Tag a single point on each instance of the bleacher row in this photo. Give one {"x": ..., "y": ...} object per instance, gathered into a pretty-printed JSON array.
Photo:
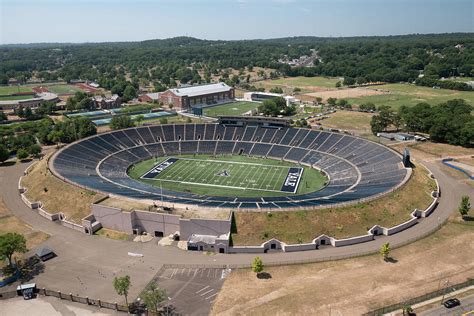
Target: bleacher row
[{"x": 357, "y": 168}]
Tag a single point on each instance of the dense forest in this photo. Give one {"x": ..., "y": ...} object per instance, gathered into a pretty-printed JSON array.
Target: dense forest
[{"x": 164, "y": 62}]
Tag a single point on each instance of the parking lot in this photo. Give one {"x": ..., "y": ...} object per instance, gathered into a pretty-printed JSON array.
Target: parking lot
[{"x": 191, "y": 290}]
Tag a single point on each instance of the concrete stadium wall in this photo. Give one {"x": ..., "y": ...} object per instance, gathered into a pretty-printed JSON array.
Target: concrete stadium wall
[
  {"x": 352, "y": 241},
  {"x": 300, "y": 247},
  {"x": 151, "y": 222},
  {"x": 113, "y": 218},
  {"x": 402, "y": 226}
]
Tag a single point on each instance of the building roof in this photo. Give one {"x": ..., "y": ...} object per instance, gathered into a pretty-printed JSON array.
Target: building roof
[
  {"x": 106, "y": 99},
  {"x": 208, "y": 239},
  {"x": 154, "y": 95},
  {"x": 192, "y": 91},
  {"x": 43, "y": 251}
]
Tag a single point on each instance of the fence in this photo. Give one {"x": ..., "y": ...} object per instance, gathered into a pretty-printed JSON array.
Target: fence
[
  {"x": 419, "y": 299},
  {"x": 83, "y": 300}
]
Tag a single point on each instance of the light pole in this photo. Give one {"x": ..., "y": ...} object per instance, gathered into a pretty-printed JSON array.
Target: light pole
[
  {"x": 444, "y": 291},
  {"x": 168, "y": 306}
]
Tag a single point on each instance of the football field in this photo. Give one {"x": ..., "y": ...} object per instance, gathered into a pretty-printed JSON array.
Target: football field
[{"x": 226, "y": 174}]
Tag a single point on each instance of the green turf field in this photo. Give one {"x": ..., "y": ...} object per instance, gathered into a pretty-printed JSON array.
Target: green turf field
[
  {"x": 15, "y": 97},
  {"x": 235, "y": 108},
  {"x": 63, "y": 89},
  {"x": 246, "y": 176},
  {"x": 6, "y": 90}
]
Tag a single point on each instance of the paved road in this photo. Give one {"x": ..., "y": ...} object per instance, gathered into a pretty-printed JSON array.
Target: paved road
[
  {"x": 86, "y": 265},
  {"x": 467, "y": 305}
]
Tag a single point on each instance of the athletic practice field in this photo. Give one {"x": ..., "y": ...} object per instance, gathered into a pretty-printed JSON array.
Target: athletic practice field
[{"x": 228, "y": 175}]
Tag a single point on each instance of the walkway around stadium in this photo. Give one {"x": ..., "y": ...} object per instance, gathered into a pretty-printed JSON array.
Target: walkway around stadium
[{"x": 451, "y": 193}]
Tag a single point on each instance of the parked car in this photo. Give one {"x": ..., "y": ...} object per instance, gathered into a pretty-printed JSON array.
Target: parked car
[{"x": 452, "y": 302}]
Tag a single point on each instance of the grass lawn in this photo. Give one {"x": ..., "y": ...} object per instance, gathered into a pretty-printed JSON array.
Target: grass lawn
[
  {"x": 306, "y": 84},
  {"x": 63, "y": 89},
  {"x": 408, "y": 94},
  {"x": 5, "y": 90},
  {"x": 15, "y": 97},
  {"x": 56, "y": 195},
  {"x": 12, "y": 224},
  {"x": 349, "y": 120},
  {"x": 112, "y": 234},
  {"x": 352, "y": 286},
  {"x": 253, "y": 228},
  {"x": 248, "y": 176},
  {"x": 235, "y": 108}
]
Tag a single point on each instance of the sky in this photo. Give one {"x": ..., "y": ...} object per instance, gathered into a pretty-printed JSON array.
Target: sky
[{"x": 38, "y": 21}]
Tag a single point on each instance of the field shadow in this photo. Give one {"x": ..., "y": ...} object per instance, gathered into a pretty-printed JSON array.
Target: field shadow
[
  {"x": 8, "y": 163},
  {"x": 468, "y": 218},
  {"x": 264, "y": 275},
  {"x": 391, "y": 260},
  {"x": 31, "y": 268},
  {"x": 169, "y": 310}
]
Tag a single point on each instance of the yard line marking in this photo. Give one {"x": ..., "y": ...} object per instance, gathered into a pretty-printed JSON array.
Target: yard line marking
[
  {"x": 211, "y": 296},
  {"x": 202, "y": 289},
  {"x": 207, "y": 292}
]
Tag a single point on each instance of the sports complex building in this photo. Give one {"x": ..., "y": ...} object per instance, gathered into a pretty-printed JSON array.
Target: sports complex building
[
  {"x": 31, "y": 100},
  {"x": 185, "y": 97},
  {"x": 238, "y": 164}
]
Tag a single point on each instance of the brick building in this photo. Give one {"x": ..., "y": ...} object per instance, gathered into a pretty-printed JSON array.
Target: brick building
[
  {"x": 107, "y": 102},
  {"x": 183, "y": 98}
]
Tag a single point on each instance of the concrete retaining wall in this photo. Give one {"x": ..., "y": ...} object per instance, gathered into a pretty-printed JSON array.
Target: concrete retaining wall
[
  {"x": 402, "y": 226},
  {"x": 351, "y": 241}
]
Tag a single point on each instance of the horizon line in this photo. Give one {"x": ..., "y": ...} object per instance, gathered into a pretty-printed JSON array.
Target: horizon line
[{"x": 230, "y": 40}]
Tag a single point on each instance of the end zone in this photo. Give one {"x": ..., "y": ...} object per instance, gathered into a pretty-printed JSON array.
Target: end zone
[{"x": 292, "y": 180}]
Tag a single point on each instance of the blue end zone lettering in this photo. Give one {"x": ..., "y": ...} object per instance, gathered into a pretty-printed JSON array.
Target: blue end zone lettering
[
  {"x": 156, "y": 170},
  {"x": 292, "y": 180}
]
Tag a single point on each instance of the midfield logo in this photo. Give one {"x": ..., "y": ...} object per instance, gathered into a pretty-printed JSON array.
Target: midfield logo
[{"x": 223, "y": 173}]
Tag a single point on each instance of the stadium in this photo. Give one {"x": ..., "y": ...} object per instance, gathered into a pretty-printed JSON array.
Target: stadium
[
  {"x": 236, "y": 164},
  {"x": 189, "y": 175}
]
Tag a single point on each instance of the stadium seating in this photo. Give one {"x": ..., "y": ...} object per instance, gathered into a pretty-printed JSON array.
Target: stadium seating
[{"x": 356, "y": 168}]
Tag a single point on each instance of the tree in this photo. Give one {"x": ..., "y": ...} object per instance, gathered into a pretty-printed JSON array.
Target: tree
[
  {"x": 140, "y": 118},
  {"x": 3, "y": 116},
  {"x": 4, "y": 153},
  {"x": 464, "y": 206},
  {"x": 153, "y": 296},
  {"x": 119, "y": 122},
  {"x": 257, "y": 265},
  {"x": 21, "y": 154},
  {"x": 129, "y": 93},
  {"x": 276, "y": 90},
  {"x": 34, "y": 150},
  {"x": 11, "y": 243},
  {"x": 122, "y": 285},
  {"x": 385, "y": 251},
  {"x": 332, "y": 101},
  {"x": 338, "y": 84}
]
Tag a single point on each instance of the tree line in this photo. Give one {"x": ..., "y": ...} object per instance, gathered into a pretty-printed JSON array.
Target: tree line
[
  {"x": 189, "y": 60},
  {"x": 23, "y": 139},
  {"x": 449, "y": 122}
]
